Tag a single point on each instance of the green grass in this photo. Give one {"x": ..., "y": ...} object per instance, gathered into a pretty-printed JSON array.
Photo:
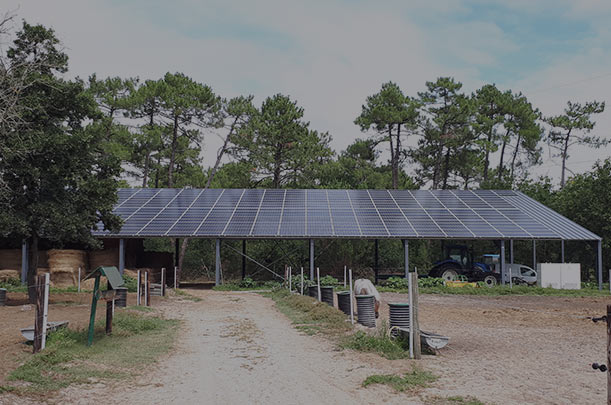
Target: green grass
[
  {"x": 379, "y": 343},
  {"x": 409, "y": 381},
  {"x": 309, "y": 315},
  {"x": 136, "y": 340},
  {"x": 186, "y": 295},
  {"x": 503, "y": 290},
  {"x": 455, "y": 400}
]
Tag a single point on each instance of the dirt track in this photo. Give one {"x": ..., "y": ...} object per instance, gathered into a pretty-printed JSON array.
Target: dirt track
[{"x": 237, "y": 348}]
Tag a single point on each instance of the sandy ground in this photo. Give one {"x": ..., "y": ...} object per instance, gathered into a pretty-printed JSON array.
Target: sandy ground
[
  {"x": 516, "y": 350},
  {"x": 236, "y": 348}
]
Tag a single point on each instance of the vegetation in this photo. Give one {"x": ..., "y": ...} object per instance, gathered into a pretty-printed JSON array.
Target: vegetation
[
  {"x": 103, "y": 132},
  {"x": 380, "y": 343},
  {"x": 454, "y": 400},
  {"x": 586, "y": 291},
  {"x": 67, "y": 359},
  {"x": 409, "y": 381}
]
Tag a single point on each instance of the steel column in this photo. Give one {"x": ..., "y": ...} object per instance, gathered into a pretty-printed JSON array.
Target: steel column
[
  {"x": 243, "y": 259},
  {"x": 534, "y": 254},
  {"x": 311, "y": 259},
  {"x": 24, "y": 262},
  {"x": 562, "y": 251},
  {"x": 511, "y": 251},
  {"x": 406, "y": 253},
  {"x": 217, "y": 265},
  {"x": 376, "y": 258},
  {"x": 176, "y": 252},
  {"x": 600, "y": 265},
  {"x": 503, "y": 270},
  {"x": 121, "y": 255}
]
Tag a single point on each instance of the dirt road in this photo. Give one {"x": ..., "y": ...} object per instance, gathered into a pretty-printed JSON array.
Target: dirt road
[{"x": 238, "y": 349}]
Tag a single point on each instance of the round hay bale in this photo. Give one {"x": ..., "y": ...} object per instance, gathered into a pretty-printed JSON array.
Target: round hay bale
[
  {"x": 64, "y": 265},
  {"x": 7, "y": 274},
  {"x": 106, "y": 257}
]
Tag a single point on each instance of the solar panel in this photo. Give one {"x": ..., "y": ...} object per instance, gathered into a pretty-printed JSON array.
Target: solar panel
[{"x": 319, "y": 213}]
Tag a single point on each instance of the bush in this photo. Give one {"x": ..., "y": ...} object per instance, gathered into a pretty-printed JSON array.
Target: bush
[
  {"x": 329, "y": 281},
  {"x": 130, "y": 283},
  {"x": 398, "y": 283},
  {"x": 247, "y": 282}
]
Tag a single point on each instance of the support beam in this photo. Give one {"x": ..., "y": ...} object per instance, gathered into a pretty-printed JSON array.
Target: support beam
[
  {"x": 217, "y": 266},
  {"x": 121, "y": 256},
  {"x": 406, "y": 257},
  {"x": 243, "y": 259},
  {"x": 376, "y": 260},
  {"x": 503, "y": 270},
  {"x": 562, "y": 251},
  {"x": 534, "y": 254},
  {"x": 311, "y": 259},
  {"x": 599, "y": 265},
  {"x": 511, "y": 251},
  {"x": 24, "y": 262}
]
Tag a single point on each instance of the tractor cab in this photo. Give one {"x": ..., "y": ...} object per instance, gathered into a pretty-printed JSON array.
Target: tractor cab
[{"x": 460, "y": 255}]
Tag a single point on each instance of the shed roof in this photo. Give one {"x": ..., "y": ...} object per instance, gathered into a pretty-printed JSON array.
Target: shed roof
[{"x": 329, "y": 214}]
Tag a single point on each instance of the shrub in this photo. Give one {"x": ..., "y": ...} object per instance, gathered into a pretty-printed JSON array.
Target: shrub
[
  {"x": 247, "y": 282},
  {"x": 329, "y": 281}
]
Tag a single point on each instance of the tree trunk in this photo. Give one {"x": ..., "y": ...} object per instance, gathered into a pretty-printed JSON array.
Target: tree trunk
[
  {"x": 515, "y": 155},
  {"x": 157, "y": 172},
  {"x": 277, "y": 165},
  {"x": 446, "y": 170},
  {"x": 173, "y": 152},
  {"x": 221, "y": 153},
  {"x": 392, "y": 157},
  {"x": 145, "y": 174},
  {"x": 487, "y": 161},
  {"x": 565, "y": 150},
  {"x": 395, "y": 184},
  {"x": 32, "y": 268},
  {"x": 500, "y": 174}
]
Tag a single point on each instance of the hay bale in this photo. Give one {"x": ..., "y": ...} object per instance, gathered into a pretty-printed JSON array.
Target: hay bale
[
  {"x": 64, "y": 265},
  {"x": 7, "y": 274},
  {"x": 106, "y": 257}
]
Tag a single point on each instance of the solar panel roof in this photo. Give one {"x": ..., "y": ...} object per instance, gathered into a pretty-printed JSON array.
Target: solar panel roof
[{"x": 320, "y": 213}]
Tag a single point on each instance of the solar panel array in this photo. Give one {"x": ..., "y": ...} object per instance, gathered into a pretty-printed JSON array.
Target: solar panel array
[{"x": 282, "y": 214}]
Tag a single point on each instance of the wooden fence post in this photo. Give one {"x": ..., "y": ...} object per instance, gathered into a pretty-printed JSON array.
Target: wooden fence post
[
  {"x": 416, "y": 323},
  {"x": 42, "y": 307},
  {"x": 147, "y": 288},
  {"x": 139, "y": 289},
  {"x": 608, "y": 354}
]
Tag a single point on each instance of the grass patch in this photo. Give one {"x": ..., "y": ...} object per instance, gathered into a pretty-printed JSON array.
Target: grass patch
[
  {"x": 409, "y": 381},
  {"x": 309, "y": 315},
  {"x": 186, "y": 295},
  {"x": 379, "y": 343},
  {"x": 500, "y": 290},
  {"x": 455, "y": 400},
  {"x": 136, "y": 340}
]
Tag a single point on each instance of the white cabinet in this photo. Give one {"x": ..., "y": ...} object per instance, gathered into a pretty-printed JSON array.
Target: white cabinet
[{"x": 562, "y": 276}]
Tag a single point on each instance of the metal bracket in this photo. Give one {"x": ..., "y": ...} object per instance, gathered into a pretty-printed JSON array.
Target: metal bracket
[{"x": 602, "y": 318}]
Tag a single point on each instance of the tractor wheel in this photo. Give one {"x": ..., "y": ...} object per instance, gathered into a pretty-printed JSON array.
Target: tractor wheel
[
  {"x": 490, "y": 281},
  {"x": 448, "y": 274}
]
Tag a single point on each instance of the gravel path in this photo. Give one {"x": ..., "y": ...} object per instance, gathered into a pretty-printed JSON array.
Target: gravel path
[{"x": 238, "y": 349}]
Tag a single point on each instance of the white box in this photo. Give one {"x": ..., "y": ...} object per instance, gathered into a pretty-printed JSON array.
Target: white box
[{"x": 565, "y": 276}]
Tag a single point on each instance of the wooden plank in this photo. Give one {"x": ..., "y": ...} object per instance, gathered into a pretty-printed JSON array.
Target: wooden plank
[
  {"x": 608, "y": 354},
  {"x": 109, "y": 305}
]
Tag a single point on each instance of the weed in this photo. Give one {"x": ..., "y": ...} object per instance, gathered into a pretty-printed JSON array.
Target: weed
[
  {"x": 502, "y": 290},
  {"x": 186, "y": 295},
  {"x": 409, "y": 381},
  {"x": 67, "y": 359},
  {"x": 379, "y": 343},
  {"x": 455, "y": 400}
]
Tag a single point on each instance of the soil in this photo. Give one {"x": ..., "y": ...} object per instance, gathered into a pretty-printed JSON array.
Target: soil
[{"x": 237, "y": 348}]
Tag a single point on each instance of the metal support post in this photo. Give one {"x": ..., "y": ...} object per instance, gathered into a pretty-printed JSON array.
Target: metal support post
[
  {"x": 24, "y": 262},
  {"x": 176, "y": 252},
  {"x": 217, "y": 266},
  {"x": 121, "y": 256},
  {"x": 243, "y": 259},
  {"x": 534, "y": 254},
  {"x": 376, "y": 261},
  {"x": 406, "y": 253},
  {"x": 600, "y": 265},
  {"x": 511, "y": 251},
  {"x": 311, "y": 259},
  {"x": 503, "y": 269},
  {"x": 562, "y": 251}
]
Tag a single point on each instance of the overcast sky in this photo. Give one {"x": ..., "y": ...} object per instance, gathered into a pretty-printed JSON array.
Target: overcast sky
[{"x": 330, "y": 55}]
